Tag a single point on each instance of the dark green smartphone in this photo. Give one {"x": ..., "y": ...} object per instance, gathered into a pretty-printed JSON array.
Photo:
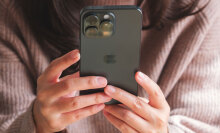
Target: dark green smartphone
[{"x": 110, "y": 45}]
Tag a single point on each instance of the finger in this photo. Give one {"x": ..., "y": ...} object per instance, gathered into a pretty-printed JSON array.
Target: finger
[
  {"x": 124, "y": 106},
  {"x": 144, "y": 99},
  {"x": 70, "y": 117},
  {"x": 70, "y": 104},
  {"x": 156, "y": 97},
  {"x": 72, "y": 84},
  {"x": 75, "y": 75},
  {"x": 128, "y": 117},
  {"x": 119, "y": 124},
  {"x": 73, "y": 93},
  {"x": 135, "y": 103},
  {"x": 58, "y": 65}
]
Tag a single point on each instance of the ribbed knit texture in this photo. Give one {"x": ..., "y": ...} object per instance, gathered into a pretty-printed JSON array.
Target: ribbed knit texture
[{"x": 183, "y": 59}]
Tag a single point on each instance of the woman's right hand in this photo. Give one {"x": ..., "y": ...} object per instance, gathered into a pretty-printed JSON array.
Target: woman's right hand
[{"x": 54, "y": 108}]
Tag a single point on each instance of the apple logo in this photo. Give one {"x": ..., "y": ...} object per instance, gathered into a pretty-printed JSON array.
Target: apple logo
[{"x": 109, "y": 59}]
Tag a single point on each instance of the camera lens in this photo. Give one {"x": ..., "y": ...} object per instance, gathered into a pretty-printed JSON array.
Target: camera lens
[
  {"x": 91, "y": 32},
  {"x": 106, "y": 28},
  {"x": 91, "y": 20}
]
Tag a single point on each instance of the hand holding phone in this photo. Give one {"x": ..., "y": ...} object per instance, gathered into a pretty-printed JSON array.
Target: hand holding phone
[{"x": 56, "y": 105}]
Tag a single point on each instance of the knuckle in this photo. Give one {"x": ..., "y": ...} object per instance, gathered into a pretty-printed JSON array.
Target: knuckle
[
  {"x": 127, "y": 115},
  {"x": 161, "y": 122},
  {"x": 75, "y": 103},
  {"x": 77, "y": 116},
  {"x": 155, "y": 92},
  {"x": 138, "y": 104},
  {"x": 65, "y": 59},
  {"x": 66, "y": 85},
  {"x": 98, "y": 98},
  {"x": 91, "y": 81}
]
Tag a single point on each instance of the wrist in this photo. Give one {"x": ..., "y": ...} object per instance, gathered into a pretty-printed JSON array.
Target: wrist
[{"x": 39, "y": 123}]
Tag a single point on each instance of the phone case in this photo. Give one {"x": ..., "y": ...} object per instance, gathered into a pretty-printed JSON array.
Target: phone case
[{"x": 115, "y": 57}]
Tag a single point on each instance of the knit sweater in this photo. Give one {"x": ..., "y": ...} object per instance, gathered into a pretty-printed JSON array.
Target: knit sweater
[{"x": 183, "y": 58}]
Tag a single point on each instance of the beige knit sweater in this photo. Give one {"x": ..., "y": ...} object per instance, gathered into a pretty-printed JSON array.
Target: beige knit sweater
[{"x": 183, "y": 58}]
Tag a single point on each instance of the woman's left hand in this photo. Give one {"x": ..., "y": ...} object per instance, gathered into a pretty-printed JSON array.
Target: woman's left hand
[{"x": 135, "y": 114}]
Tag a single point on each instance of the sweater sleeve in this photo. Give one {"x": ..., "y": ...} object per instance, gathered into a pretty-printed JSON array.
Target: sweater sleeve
[
  {"x": 16, "y": 94},
  {"x": 194, "y": 100}
]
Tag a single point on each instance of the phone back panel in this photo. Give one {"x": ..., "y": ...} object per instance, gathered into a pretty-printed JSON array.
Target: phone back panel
[{"x": 115, "y": 57}]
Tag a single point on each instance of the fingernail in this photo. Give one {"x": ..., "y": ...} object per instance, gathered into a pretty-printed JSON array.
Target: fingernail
[
  {"x": 140, "y": 75},
  {"x": 75, "y": 54},
  {"x": 101, "y": 81},
  {"x": 110, "y": 89}
]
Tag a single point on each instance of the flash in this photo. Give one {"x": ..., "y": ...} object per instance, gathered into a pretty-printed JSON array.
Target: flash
[{"x": 106, "y": 16}]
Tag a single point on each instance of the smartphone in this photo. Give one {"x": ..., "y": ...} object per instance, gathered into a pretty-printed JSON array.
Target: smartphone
[{"x": 110, "y": 45}]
